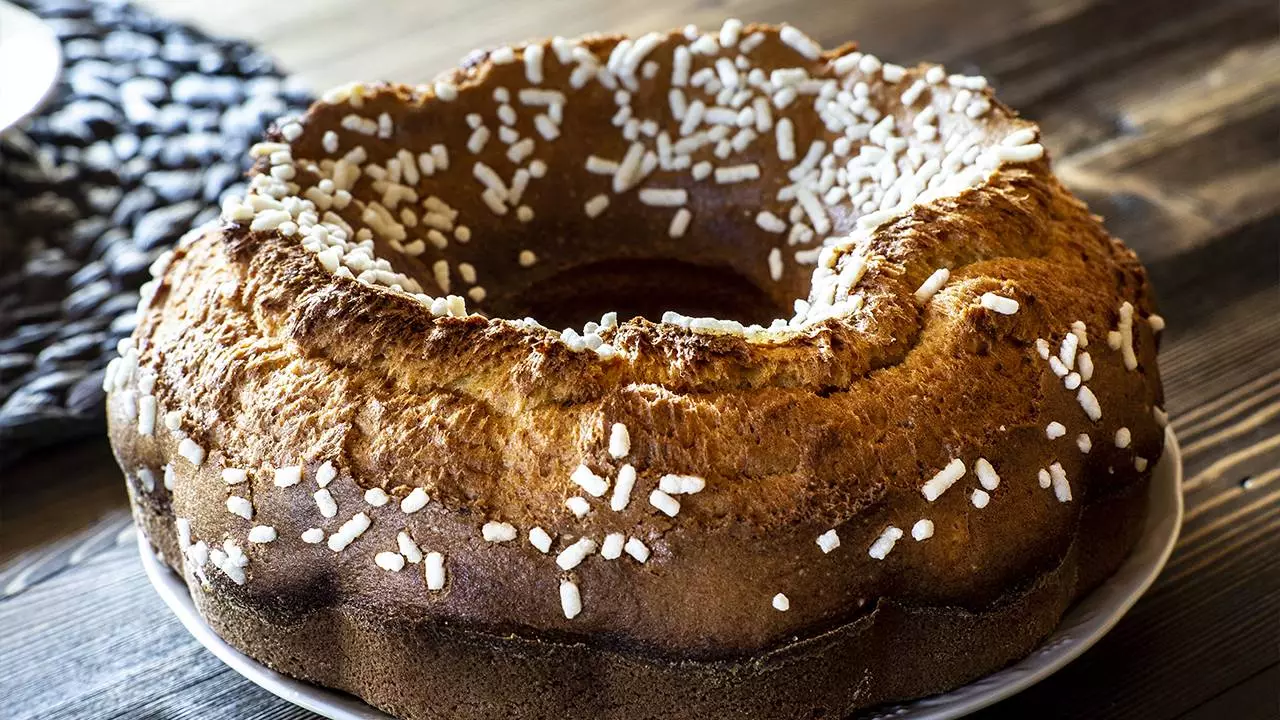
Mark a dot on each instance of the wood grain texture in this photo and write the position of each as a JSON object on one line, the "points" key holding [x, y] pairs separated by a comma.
{"points": [[1164, 116]]}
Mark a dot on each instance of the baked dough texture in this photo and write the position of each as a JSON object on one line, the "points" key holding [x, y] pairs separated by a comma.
{"points": [[899, 413]]}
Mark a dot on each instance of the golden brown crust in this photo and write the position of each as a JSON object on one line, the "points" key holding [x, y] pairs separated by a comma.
{"points": [[273, 361]]}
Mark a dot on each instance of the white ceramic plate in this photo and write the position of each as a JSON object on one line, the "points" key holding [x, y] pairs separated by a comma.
{"points": [[1083, 626], [30, 58]]}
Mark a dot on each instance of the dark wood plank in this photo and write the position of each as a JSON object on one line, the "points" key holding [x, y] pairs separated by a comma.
{"points": [[61, 493], [132, 658], [1256, 697]]}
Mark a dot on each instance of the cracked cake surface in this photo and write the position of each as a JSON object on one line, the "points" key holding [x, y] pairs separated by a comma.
{"points": [[870, 398]]}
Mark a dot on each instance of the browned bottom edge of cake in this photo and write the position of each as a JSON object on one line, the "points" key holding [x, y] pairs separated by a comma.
{"points": [[895, 652]]}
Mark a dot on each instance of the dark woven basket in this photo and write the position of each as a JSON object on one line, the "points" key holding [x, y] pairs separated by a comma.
{"points": [[148, 129]]}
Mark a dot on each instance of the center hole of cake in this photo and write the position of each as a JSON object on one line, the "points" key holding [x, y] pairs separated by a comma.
{"points": [[644, 288]]}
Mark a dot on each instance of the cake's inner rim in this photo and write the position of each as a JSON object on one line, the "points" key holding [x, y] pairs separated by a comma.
{"points": [[647, 288]]}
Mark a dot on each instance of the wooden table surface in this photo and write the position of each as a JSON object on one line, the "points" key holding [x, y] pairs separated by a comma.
{"points": [[1164, 115]]}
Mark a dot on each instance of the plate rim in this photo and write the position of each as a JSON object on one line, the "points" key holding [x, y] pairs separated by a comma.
{"points": [[1007, 682], [31, 25]]}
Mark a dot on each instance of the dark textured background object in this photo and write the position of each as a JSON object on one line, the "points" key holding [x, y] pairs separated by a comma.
{"points": [[148, 128]]}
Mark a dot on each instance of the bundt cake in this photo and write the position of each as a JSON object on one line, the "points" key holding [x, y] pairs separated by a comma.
{"points": [[851, 401]]}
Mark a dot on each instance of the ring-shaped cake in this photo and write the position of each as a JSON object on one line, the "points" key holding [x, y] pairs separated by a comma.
{"points": [[852, 398]]}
